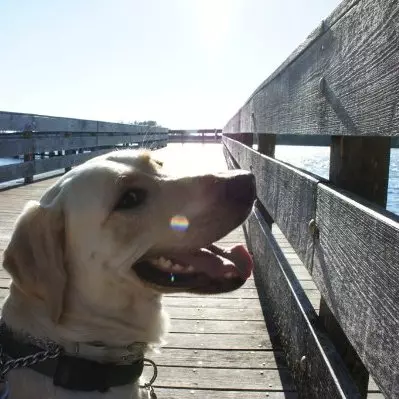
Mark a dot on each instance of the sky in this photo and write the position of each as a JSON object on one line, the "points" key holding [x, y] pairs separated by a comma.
{"points": [[188, 64]]}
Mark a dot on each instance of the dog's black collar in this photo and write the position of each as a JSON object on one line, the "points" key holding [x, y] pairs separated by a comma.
{"points": [[71, 372]]}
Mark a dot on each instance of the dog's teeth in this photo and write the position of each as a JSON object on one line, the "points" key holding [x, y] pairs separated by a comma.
{"points": [[190, 269], [164, 263], [177, 268], [229, 275], [168, 264]]}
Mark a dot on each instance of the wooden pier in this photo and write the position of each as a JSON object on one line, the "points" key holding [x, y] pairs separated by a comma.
{"points": [[319, 319], [220, 347], [339, 88]]}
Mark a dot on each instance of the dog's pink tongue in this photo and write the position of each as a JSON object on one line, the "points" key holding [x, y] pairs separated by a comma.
{"points": [[242, 259], [236, 261]]}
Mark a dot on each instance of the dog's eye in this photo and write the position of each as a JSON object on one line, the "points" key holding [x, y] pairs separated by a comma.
{"points": [[131, 199]]}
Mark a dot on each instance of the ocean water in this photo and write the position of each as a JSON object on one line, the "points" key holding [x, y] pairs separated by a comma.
{"points": [[313, 159], [317, 161]]}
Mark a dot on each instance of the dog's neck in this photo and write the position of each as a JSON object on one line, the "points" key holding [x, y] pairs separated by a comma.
{"points": [[82, 333]]}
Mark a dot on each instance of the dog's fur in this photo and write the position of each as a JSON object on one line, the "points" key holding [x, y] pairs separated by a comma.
{"points": [[71, 257]]}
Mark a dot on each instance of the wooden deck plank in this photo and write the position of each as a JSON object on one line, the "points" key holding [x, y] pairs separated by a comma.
{"points": [[230, 379], [216, 313], [245, 363], [249, 342], [312, 292], [218, 326], [212, 358], [226, 303], [225, 394]]}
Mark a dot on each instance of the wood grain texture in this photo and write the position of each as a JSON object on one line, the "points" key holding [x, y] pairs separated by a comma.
{"points": [[360, 165], [317, 369], [245, 292], [204, 326], [216, 313], [214, 301], [224, 379], [300, 140], [259, 360], [251, 342], [356, 52], [168, 393], [175, 393], [356, 269], [287, 194], [20, 122]]}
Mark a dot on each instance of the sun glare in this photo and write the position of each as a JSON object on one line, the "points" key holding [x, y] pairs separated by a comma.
{"points": [[214, 18]]}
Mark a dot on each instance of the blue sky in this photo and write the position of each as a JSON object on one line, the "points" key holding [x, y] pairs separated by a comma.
{"points": [[184, 63]]}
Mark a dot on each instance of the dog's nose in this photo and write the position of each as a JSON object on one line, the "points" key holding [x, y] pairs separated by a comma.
{"points": [[241, 189]]}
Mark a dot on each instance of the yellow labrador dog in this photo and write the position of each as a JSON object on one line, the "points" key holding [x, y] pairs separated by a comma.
{"points": [[90, 261]]}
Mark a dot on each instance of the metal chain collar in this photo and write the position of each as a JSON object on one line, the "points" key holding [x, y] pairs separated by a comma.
{"points": [[27, 361], [7, 365]]}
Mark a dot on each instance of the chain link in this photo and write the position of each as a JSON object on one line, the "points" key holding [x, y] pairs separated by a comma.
{"points": [[148, 385], [27, 361]]}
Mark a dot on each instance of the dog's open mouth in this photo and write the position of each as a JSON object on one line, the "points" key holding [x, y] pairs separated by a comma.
{"points": [[206, 270]]}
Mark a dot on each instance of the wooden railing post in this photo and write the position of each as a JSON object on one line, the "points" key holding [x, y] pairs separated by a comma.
{"points": [[266, 141], [30, 156], [68, 152], [359, 165], [266, 146], [244, 138]]}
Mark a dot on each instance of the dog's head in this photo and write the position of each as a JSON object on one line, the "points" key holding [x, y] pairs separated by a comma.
{"points": [[118, 225]]}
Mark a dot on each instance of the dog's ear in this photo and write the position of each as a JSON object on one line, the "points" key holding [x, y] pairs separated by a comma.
{"points": [[35, 256]]}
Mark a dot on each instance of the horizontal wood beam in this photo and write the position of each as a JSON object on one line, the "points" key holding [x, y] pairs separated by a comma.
{"points": [[317, 369], [341, 81], [308, 141], [350, 248], [16, 144], [356, 268], [195, 131], [31, 166], [194, 139], [20, 122], [287, 194]]}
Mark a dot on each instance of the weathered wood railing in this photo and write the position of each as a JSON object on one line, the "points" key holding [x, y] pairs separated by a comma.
{"points": [[343, 83], [195, 136], [74, 141]]}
